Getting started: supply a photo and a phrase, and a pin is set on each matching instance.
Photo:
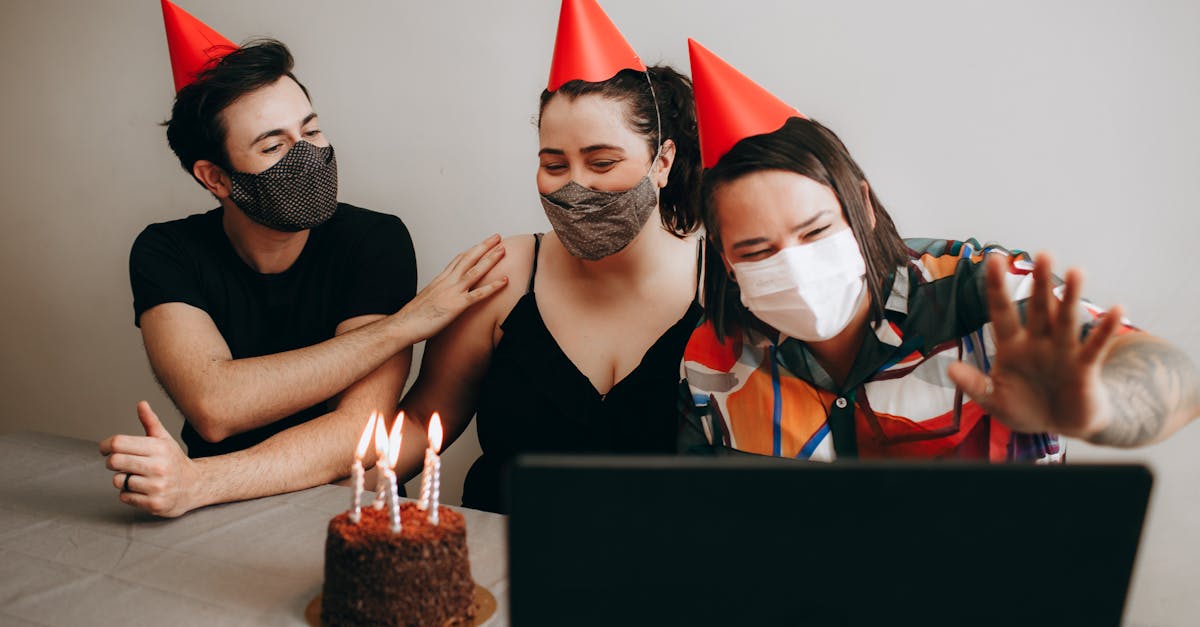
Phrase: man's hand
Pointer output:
(453, 290)
(1043, 378)
(152, 472)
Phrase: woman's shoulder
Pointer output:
(517, 267)
(517, 263)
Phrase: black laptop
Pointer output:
(762, 541)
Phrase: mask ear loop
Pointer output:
(657, 120)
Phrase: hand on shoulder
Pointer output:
(468, 279)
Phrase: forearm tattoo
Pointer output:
(1147, 381)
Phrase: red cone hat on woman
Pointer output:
(729, 106)
(192, 43)
(588, 46)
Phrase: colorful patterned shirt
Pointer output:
(754, 394)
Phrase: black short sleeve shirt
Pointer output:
(357, 263)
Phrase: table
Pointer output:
(72, 554)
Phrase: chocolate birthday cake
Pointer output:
(419, 576)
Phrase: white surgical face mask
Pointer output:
(808, 292)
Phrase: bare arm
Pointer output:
(154, 474)
(166, 483)
(1117, 389)
(1153, 391)
(313, 453)
(222, 396)
(457, 359)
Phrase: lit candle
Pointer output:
(356, 469)
(435, 466)
(436, 490)
(381, 452)
(394, 441)
(426, 476)
(427, 470)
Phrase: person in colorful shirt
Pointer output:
(828, 336)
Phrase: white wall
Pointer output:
(1067, 126)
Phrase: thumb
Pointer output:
(150, 421)
(971, 380)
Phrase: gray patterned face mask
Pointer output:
(593, 224)
(299, 192)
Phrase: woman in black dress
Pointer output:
(581, 352)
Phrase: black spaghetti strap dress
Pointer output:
(534, 400)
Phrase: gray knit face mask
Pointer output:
(593, 224)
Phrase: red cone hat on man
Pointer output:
(192, 43)
(729, 106)
(588, 46)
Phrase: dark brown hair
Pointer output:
(678, 201)
(807, 148)
(196, 130)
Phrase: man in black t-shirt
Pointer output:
(278, 321)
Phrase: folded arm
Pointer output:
(161, 478)
(313, 453)
(221, 396)
(165, 482)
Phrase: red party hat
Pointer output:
(588, 46)
(729, 106)
(192, 43)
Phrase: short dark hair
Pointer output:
(807, 148)
(196, 129)
(679, 200)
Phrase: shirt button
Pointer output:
(840, 402)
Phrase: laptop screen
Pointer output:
(749, 541)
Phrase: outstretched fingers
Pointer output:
(484, 291)
(469, 258)
(973, 382)
(1066, 323)
(1099, 339)
(484, 264)
(1003, 313)
(1040, 308)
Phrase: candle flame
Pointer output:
(381, 443)
(365, 438)
(394, 440)
(435, 433)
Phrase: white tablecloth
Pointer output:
(72, 554)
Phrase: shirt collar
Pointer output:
(895, 308)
